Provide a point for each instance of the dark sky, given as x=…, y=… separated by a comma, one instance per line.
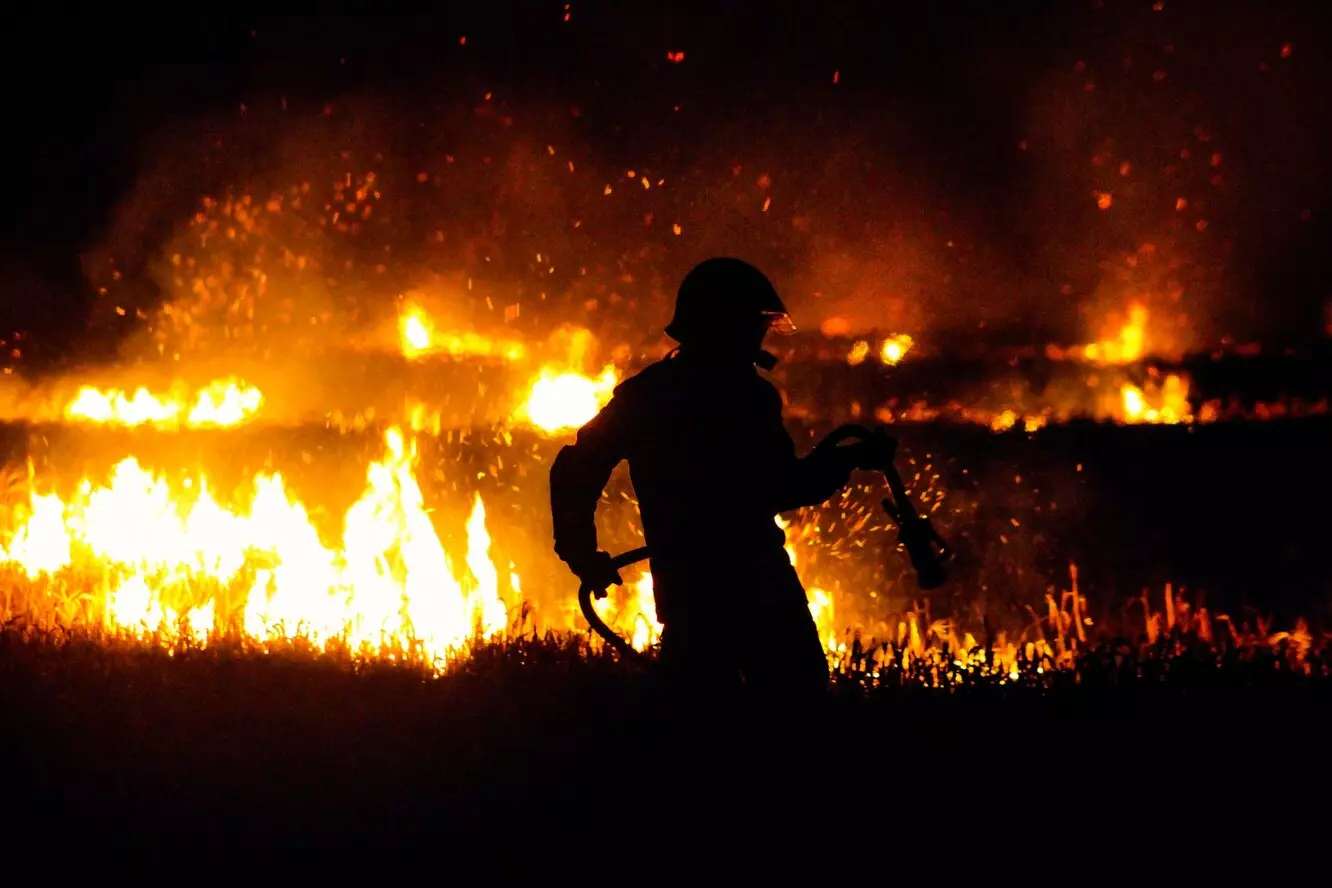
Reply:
x=951, y=87
x=84, y=89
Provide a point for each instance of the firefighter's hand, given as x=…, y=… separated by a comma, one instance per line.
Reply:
x=875, y=452
x=598, y=572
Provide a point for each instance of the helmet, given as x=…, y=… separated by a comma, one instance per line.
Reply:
x=721, y=295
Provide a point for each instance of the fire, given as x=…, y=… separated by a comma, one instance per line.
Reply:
x=560, y=401
x=820, y=602
x=221, y=403
x=420, y=337
x=414, y=328
x=894, y=348
x=1124, y=346
x=891, y=351
x=1167, y=405
x=634, y=612
x=169, y=557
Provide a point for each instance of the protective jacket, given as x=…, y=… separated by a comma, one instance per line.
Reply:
x=712, y=465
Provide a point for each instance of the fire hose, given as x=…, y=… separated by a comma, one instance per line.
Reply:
x=926, y=549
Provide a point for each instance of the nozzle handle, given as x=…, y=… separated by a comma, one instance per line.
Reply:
x=585, y=593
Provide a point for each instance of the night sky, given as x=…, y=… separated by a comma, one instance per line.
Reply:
x=969, y=126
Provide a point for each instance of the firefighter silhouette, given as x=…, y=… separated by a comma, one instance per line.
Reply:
x=712, y=466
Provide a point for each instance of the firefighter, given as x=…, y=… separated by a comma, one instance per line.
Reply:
x=712, y=466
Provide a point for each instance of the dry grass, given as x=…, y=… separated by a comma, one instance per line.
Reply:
x=231, y=752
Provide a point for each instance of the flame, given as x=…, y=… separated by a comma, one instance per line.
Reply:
x=414, y=328
x=634, y=612
x=894, y=348
x=891, y=351
x=559, y=401
x=419, y=337
x=1167, y=405
x=820, y=602
x=1125, y=345
x=1131, y=343
x=221, y=403
x=170, y=557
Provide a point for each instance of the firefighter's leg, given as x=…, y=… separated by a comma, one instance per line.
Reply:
x=702, y=680
x=784, y=663
x=700, y=661
x=786, y=680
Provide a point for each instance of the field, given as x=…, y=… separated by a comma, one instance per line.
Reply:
x=538, y=752
x=297, y=314
x=1187, y=719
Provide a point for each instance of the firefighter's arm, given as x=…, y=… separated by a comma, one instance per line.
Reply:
x=577, y=478
x=796, y=481
x=814, y=478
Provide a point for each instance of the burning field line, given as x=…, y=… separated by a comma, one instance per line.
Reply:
x=164, y=560
x=1052, y=651
x=1175, y=645
x=169, y=559
x=140, y=555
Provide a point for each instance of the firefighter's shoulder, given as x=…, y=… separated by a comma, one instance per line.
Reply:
x=644, y=381
x=767, y=392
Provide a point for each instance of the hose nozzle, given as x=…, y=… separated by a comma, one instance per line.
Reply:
x=926, y=549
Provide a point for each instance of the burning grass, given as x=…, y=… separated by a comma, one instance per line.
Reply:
x=390, y=543
x=1057, y=649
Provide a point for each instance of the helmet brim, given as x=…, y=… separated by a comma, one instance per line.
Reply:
x=779, y=322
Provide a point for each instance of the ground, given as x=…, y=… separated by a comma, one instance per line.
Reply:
x=539, y=751
x=232, y=757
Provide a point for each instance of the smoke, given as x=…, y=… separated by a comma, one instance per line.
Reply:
x=1154, y=162
x=294, y=232
x=1173, y=163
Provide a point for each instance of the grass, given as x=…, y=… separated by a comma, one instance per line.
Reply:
x=1159, y=728
x=544, y=747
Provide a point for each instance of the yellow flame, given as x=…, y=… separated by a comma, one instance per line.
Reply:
x=224, y=403
x=1166, y=405
x=633, y=612
x=820, y=602
x=1128, y=346
x=894, y=348
x=169, y=557
x=418, y=337
x=414, y=330
x=560, y=401
x=221, y=403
